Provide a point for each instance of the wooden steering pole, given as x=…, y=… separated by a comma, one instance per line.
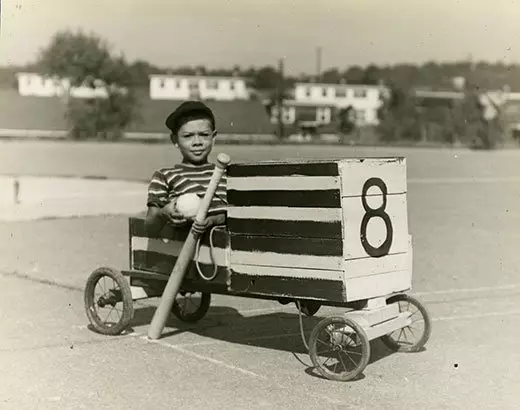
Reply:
x=186, y=254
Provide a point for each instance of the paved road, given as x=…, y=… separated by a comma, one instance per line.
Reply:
x=247, y=353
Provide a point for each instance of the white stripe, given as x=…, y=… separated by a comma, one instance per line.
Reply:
x=285, y=213
x=256, y=270
x=283, y=183
x=286, y=260
x=158, y=181
x=462, y=180
x=155, y=192
x=173, y=248
x=468, y=290
x=477, y=315
x=201, y=357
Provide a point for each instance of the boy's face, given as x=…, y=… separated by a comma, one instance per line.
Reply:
x=195, y=140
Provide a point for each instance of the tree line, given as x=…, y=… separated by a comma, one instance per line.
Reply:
x=85, y=57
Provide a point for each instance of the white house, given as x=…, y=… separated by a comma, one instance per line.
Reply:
x=38, y=85
x=183, y=87
x=364, y=99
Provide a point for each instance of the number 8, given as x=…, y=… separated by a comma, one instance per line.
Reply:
x=370, y=213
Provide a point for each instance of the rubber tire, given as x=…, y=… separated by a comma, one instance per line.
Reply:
x=309, y=308
x=391, y=344
x=365, y=355
x=128, y=304
x=205, y=302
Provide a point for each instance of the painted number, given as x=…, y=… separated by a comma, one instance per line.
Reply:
x=370, y=213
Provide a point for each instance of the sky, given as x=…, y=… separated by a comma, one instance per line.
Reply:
x=221, y=33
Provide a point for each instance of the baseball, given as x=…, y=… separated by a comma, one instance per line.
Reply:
x=188, y=205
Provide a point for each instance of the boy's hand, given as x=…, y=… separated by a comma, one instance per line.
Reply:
x=200, y=227
x=170, y=214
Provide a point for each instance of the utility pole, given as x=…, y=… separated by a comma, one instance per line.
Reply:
x=279, y=98
x=318, y=64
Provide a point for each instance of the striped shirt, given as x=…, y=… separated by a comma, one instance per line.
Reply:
x=167, y=184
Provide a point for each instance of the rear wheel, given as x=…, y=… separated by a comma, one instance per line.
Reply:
x=108, y=301
x=191, y=306
x=414, y=336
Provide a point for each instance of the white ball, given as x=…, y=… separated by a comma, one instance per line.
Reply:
x=188, y=205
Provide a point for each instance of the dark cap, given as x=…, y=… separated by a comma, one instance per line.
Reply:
x=187, y=108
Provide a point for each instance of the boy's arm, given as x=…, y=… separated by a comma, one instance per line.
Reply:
x=156, y=200
x=155, y=221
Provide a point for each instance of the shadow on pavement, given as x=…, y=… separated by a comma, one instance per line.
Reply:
x=276, y=331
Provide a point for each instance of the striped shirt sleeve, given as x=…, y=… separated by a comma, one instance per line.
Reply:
x=157, y=190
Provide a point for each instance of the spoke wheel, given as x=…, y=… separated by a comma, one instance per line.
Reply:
x=191, y=307
x=108, y=301
x=339, y=348
x=414, y=336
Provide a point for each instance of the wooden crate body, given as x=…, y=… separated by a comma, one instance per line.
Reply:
x=334, y=231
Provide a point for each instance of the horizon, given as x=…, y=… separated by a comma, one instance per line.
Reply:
x=235, y=32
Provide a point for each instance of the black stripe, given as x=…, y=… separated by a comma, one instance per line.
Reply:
x=220, y=235
x=329, y=198
x=287, y=245
x=280, y=169
x=164, y=264
x=330, y=290
x=306, y=229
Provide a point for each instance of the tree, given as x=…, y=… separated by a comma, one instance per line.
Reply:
x=398, y=116
x=86, y=60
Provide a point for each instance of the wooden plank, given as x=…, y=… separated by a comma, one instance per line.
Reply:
x=308, y=229
x=278, y=168
x=291, y=245
x=367, y=287
x=326, y=290
x=330, y=198
x=256, y=270
x=285, y=213
x=162, y=263
x=173, y=248
x=355, y=268
x=356, y=172
x=137, y=229
x=280, y=183
x=286, y=260
x=376, y=230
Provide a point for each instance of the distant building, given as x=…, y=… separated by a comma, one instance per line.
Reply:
x=364, y=99
x=184, y=87
x=317, y=107
x=493, y=103
x=38, y=85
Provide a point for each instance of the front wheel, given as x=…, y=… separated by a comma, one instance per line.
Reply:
x=191, y=306
x=414, y=336
x=108, y=301
x=339, y=348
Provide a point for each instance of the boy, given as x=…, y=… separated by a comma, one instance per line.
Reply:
x=192, y=131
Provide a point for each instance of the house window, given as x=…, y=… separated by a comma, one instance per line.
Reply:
x=360, y=93
x=177, y=83
x=162, y=83
x=360, y=115
x=323, y=115
x=324, y=92
x=341, y=92
x=232, y=85
x=308, y=91
x=212, y=84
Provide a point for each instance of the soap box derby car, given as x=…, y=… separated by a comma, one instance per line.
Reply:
x=317, y=232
